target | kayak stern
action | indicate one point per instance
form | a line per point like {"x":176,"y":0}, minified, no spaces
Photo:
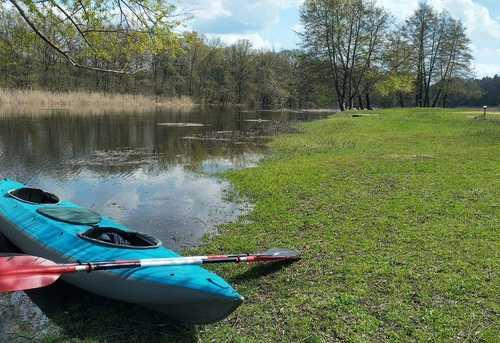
{"x":189,"y":294}
{"x":209,"y":311}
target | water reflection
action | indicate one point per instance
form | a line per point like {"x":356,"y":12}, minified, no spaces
{"x":128,"y":167}
{"x":174,"y":204}
{"x":59,"y":144}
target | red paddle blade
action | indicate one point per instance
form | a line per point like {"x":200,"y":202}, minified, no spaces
{"x":20,"y":273}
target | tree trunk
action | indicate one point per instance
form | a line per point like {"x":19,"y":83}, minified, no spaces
{"x":360,"y":101}
{"x":368,"y":101}
{"x":426,"y":98}
{"x":436,"y":98}
{"x":445,"y":97}
{"x":341,"y":104}
{"x":401,"y":99}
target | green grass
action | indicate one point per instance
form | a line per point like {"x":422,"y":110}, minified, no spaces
{"x":398,"y":220}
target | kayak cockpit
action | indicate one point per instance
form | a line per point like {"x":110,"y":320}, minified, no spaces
{"x":114,"y":237}
{"x":109,"y":236}
{"x":34,"y":196}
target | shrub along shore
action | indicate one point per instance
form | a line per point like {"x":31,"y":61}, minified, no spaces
{"x":397,"y":216}
{"x":13,"y":101}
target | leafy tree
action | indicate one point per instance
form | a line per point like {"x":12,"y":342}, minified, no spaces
{"x":101,"y":35}
{"x":460,"y":92}
{"x":398,"y":79}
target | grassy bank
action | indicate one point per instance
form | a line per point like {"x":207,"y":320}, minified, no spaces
{"x":397,"y":216}
{"x":14,"y":101}
{"x":398,"y":220}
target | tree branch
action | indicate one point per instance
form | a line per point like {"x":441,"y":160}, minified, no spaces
{"x":53,"y":45}
{"x":75,"y":25}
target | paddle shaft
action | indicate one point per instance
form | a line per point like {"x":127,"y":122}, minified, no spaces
{"x":157,"y":262}
{"x":176,"y":261}
{"x":25,"y":272}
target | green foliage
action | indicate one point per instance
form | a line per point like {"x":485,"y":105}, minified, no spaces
{"x":205,"y":70}
{"x":382,"y":68}
{"x":462,"y":92}
{"x":490,"y":87}
{"x":104,"y":34}
{"x":396,"y":83}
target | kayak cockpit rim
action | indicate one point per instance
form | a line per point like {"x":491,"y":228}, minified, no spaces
{"x":33,"y":196}
{"x":117,"y":238}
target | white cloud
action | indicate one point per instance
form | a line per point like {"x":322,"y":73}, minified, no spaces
{"x":230,"y":38}
{"x":482,"y":69}
{"x":477,"y":19}
{"x":399,"y":8}
{"x":211,"y":10}
{"x":298,"y":28}
{"x":230,"y":16}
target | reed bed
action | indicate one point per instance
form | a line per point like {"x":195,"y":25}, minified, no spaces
{"x":34,"y":102}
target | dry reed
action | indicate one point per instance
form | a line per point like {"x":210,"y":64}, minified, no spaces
{"x":30,"y":102}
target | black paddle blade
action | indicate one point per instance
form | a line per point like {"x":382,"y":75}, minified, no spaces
{"x":281,"y":254}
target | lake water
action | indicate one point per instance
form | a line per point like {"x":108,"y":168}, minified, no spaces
{"x":142,"y":170}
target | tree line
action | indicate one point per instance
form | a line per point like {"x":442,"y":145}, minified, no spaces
{"x":354,"y":54}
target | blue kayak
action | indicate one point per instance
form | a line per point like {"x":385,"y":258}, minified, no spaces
{"x":41,"y":225}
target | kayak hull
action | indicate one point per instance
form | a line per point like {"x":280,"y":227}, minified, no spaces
{"x":183,"y":304}
{"x":189,"y":294}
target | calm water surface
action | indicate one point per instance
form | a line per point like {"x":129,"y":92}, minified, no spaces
{"x":157,"y":179}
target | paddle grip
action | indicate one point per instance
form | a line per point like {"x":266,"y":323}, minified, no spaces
{"x":222,"y":259}
{"x":113,"y":265}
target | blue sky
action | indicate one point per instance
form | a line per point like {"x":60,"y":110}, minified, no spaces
{"x":271,"y":24}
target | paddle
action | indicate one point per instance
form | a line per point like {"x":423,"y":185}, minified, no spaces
{"x":23,"y":272}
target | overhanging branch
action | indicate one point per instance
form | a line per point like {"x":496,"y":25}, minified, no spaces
{"x":56,"y":47}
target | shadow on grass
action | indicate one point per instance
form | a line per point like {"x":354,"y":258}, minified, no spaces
{"x":77,"y":314}
{"x":87,"y":316}
{"x":261,"y":270}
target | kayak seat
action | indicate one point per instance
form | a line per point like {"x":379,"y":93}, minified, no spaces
{"x":117,"y":238}
{"x":34,"y":196}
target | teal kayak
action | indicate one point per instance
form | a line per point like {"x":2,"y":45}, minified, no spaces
{"x":41,"y":225}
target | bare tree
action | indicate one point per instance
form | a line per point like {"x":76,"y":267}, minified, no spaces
{"x":454,"y":58}
{"x":440,"y":51}
{"x":241,"y":61}
{"x":346,"y":34}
